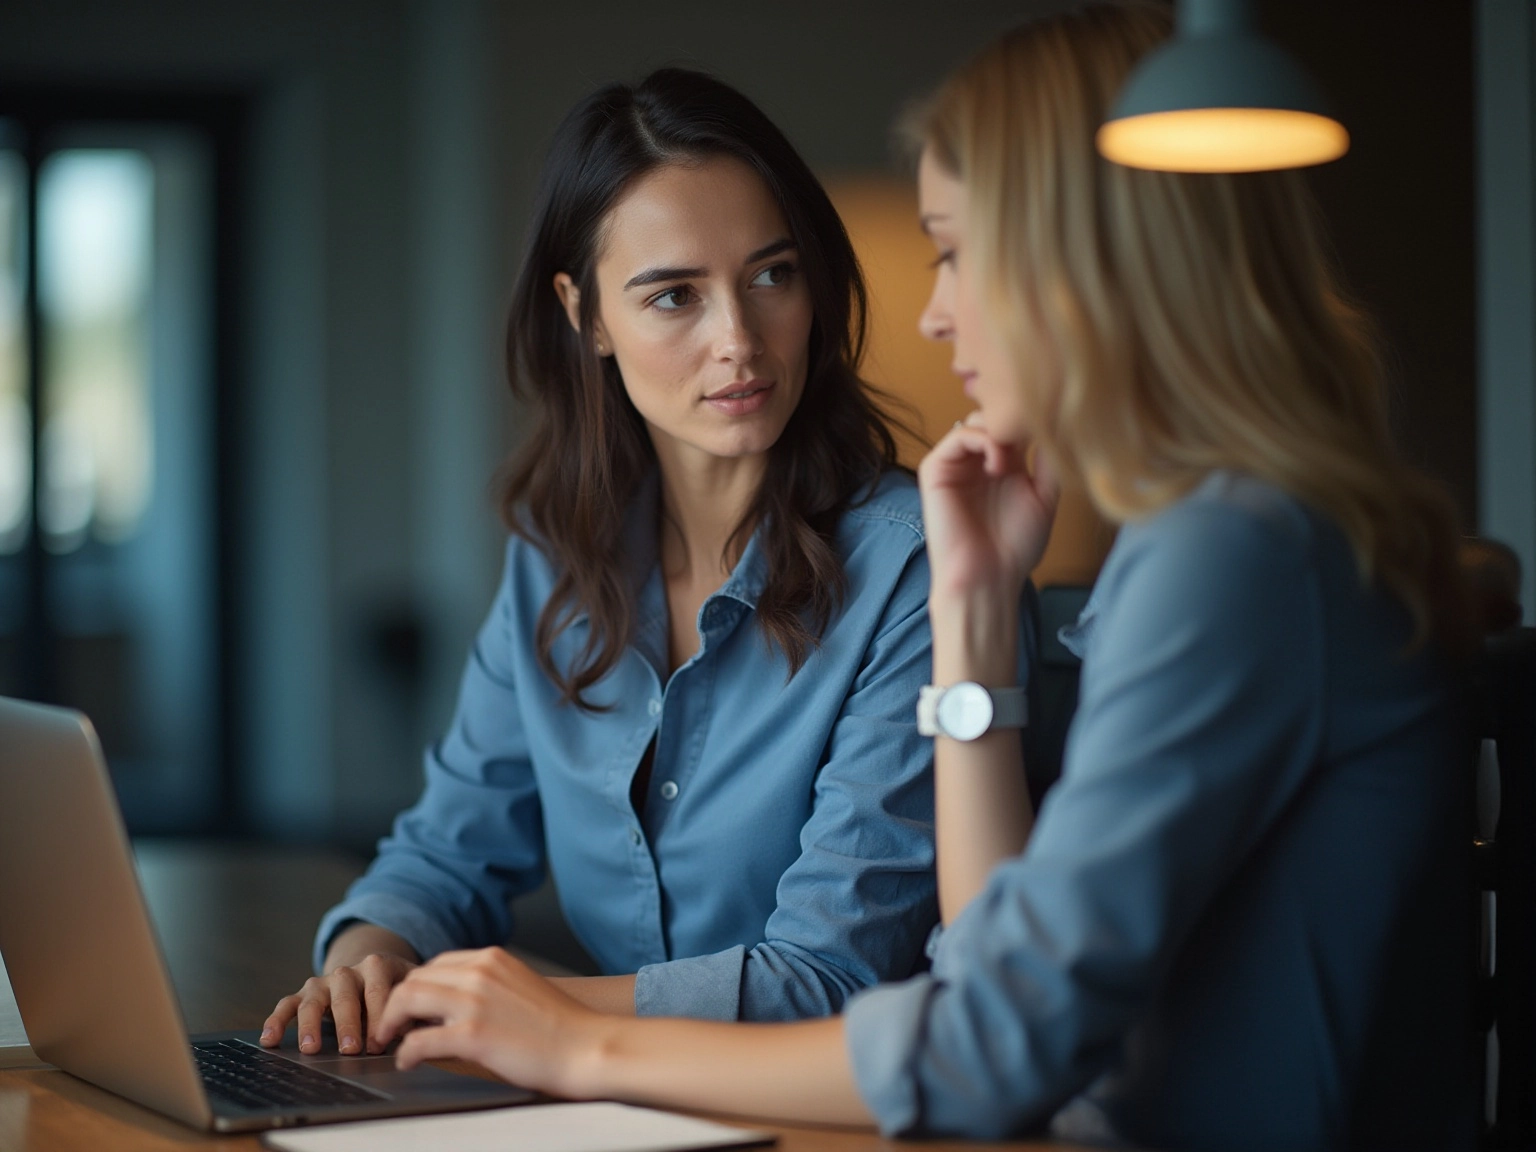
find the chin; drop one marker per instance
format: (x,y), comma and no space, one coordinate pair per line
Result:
(1004,427)
(734,443)
(751,439)
(744,448)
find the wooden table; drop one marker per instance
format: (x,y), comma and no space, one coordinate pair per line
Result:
(236,923)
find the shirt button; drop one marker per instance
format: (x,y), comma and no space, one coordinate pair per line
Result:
(634,836)
(654,707)
(669,790)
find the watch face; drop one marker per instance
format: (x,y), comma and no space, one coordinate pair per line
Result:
(965,711)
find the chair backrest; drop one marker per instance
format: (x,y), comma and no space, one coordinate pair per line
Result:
(1053,691)
(1503,717)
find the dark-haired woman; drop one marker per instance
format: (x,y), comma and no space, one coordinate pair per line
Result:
(693,696)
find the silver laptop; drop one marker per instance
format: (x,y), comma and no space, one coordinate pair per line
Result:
(91,982)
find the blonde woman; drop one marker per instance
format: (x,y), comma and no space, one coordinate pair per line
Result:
(1236,922)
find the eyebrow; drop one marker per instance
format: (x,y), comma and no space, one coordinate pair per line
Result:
(658,275)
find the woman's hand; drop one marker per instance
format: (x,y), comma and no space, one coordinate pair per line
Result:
(491,1008)
(363,964)
(987,513)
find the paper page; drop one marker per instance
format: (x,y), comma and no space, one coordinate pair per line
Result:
(600,1127)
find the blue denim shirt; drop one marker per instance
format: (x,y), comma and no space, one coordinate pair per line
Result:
(784,858)
(1238,923)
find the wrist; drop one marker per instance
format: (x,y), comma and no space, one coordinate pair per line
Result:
(592,1051)
(360,940)
(975,637)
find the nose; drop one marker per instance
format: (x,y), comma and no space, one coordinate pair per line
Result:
(937,319)
(737,339)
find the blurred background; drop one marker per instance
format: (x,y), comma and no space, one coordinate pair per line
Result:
(254,257)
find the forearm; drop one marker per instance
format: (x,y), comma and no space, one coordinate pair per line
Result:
(614,995)
(982,810)
(791,1072)
(361,939)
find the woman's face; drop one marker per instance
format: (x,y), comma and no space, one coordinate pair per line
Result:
(955,312)
(702,305)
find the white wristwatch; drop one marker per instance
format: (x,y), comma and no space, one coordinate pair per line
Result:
(965,710)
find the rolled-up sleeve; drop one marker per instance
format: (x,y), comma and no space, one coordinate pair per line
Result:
(1196,726)
(444,876)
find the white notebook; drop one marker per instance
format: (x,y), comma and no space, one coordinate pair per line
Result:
(600,1127)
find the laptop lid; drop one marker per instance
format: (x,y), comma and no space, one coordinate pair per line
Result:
(84,963)
(86,967)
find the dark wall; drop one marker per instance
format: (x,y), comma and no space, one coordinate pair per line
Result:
(1401,204)
(394,144)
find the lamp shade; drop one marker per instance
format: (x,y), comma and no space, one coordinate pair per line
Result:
(1220,98)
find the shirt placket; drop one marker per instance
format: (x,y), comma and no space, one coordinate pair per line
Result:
(649,928)
(684,715)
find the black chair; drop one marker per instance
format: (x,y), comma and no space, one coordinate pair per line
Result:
(1053,690)
(1502,711)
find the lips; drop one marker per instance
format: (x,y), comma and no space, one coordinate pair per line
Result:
(740,391)
(741,399)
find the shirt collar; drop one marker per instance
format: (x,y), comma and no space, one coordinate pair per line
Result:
(750,576)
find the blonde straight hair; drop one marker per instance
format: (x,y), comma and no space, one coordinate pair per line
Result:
(1166,325)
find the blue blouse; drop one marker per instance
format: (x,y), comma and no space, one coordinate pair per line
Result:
(784,855)
(1240,921)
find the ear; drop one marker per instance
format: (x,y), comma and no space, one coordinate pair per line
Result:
(570,300)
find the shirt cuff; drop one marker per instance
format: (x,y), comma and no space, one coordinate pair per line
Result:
(401,917)
(704,987)
(884,1028)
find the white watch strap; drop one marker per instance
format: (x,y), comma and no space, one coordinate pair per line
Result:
(928,709)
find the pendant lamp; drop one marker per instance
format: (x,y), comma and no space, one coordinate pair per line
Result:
(1218,97)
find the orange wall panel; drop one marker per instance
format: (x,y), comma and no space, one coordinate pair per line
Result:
(880,213)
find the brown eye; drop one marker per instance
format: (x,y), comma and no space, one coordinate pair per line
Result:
(773,275)
(673,299)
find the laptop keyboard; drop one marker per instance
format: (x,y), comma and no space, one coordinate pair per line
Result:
(248,1077)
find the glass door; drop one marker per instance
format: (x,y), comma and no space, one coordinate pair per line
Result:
(108,533)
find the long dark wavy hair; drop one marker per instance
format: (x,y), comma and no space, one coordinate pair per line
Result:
(569,487)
